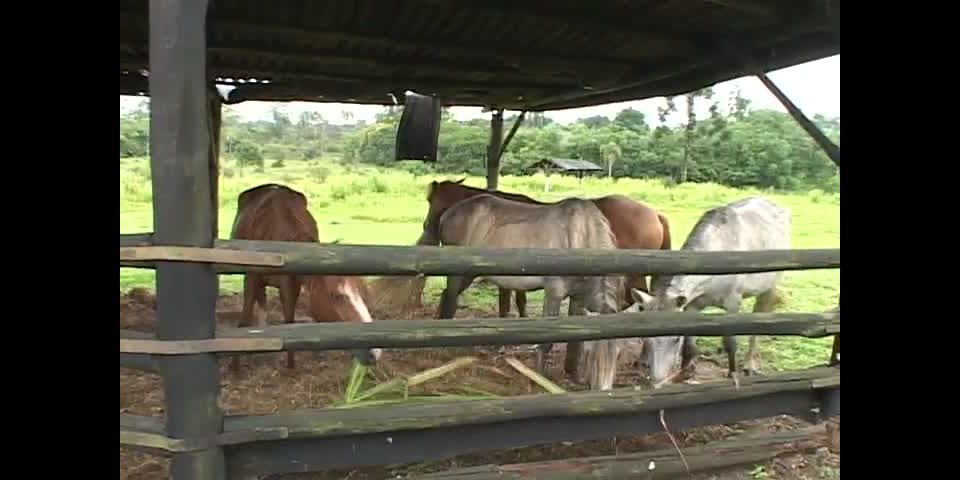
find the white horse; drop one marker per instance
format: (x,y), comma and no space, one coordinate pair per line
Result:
(750,224)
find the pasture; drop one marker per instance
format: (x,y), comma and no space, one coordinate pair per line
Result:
(363,205)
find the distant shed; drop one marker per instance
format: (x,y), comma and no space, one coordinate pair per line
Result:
(565,165)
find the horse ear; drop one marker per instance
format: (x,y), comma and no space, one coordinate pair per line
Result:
(641,297)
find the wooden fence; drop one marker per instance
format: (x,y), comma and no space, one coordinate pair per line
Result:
(323,439)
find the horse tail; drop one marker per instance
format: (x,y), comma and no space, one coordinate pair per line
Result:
(665,224)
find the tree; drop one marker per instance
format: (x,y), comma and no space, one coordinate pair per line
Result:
(689,127)
(631,119)
(740,147)
(611,153)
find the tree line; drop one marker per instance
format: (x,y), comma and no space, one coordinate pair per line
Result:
(736,146)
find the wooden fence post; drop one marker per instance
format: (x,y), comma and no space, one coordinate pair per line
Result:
(494,149)
(180,154)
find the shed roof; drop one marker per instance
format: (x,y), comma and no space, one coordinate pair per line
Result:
(516,54)
(568,164)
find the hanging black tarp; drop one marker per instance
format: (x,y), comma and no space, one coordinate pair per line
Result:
(419,130)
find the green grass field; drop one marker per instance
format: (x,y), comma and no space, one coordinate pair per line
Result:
(364,205)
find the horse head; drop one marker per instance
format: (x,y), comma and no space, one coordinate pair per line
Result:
(662,354)
(440,196)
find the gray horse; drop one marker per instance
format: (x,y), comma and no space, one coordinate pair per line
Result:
(489,221)
(753,223)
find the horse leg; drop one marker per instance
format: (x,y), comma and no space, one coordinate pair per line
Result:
(253,290)
(551,308)
(571,362)
(766,302)
(448,300)
(521,303)
(504,297)
(732,306)
(690,352)
(289,294)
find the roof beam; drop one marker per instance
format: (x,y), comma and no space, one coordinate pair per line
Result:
(389,83)
(132,83)
(327,59)
(321,93)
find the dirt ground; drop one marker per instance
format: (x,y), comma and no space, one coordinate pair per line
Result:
(265,385)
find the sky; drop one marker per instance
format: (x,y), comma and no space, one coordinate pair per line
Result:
(813,86)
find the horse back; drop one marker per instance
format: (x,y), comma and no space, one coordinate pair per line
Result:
(753,223)
(276,213)
(495,221)
(636,225)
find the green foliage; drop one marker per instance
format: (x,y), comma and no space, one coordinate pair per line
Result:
(248,153)
(739,148)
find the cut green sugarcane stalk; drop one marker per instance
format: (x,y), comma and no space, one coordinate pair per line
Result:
(534,376)
(357,374)
(414,380)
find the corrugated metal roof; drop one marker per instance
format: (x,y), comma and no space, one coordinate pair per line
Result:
(569,164)
(518,54)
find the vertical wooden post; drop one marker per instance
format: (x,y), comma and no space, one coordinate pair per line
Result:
(215,112)
(494,149)
(183,213)
(835,352)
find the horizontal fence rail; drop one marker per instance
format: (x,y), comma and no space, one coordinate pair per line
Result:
(468,332)
(137,361)
(374,419)
(331,422)
(376,435)
(743,449)
(302,258)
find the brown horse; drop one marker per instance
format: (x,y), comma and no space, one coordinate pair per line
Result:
(278,213)
(636,226)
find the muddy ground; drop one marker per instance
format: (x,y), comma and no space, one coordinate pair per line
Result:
(265,385)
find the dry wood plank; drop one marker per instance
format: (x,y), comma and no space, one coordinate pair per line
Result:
(153,441)
(379,419)
(156,253)
(184,347)
(664,463)
(145,432)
